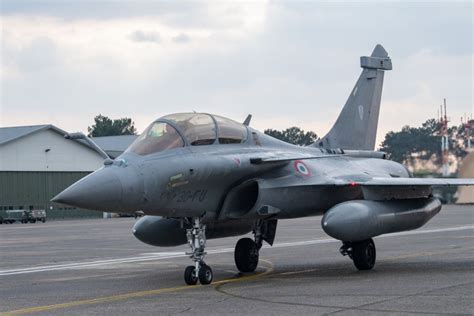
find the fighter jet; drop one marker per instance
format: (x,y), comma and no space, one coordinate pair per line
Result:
(199,176)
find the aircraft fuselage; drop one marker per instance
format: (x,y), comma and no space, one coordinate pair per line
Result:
(193,181)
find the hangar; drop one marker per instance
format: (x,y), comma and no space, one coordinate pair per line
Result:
(114,145)
(37,162)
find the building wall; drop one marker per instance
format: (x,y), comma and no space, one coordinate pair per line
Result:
(34,189)
(47,150)
(465,193)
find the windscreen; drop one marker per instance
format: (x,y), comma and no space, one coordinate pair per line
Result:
(198,129)
(157,137)
(230,132)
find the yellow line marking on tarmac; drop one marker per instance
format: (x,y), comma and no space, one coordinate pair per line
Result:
(268,270)
(121,297)
(299,272)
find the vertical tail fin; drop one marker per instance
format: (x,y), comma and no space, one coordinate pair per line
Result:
(356,126)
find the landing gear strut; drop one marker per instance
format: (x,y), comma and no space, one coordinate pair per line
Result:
(197,241)
(361,252)
(246,253)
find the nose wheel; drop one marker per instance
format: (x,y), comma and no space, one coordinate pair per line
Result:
(190,275)
(197,241)
(203,274)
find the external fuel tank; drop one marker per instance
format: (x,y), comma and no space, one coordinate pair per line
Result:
(362,219)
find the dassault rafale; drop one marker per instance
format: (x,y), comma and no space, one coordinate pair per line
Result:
(198,176)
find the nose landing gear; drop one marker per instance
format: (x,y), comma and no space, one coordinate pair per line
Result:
(197,241)
(246,253)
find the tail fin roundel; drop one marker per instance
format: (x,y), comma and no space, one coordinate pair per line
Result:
(356,126)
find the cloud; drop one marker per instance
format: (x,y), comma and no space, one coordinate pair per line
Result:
(108,10)
(286,63)
(39,55)
(145,36)
(181,38)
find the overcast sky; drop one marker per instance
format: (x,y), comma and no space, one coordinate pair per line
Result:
(288,63)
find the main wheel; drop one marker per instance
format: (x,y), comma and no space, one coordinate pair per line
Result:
(205,274)
(246,255)
(43,220)
(190,276)
(364,254)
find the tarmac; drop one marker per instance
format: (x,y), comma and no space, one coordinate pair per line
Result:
(97,267)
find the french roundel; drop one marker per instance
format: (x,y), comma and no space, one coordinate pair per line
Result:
(302,168)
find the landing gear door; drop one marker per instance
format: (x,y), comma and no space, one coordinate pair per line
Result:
(269,231)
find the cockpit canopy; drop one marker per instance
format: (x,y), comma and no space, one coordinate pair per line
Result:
(188,129)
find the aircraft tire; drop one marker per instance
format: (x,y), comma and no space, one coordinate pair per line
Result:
(190,276)
(205,274)
(364,254)
(246,255)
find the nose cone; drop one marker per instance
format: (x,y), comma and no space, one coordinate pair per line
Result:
(101,190)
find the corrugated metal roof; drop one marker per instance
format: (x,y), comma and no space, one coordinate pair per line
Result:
(114,146)
(8,134)
(114,143)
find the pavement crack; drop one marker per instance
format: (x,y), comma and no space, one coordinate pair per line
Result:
(183,311)
(219,289)
(361,307)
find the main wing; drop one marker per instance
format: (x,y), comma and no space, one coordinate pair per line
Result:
(285,157)
(372,188)
(405,188)
(418,182)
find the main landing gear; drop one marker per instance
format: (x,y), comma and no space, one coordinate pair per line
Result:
(197,241)
(247,251)
(361,252)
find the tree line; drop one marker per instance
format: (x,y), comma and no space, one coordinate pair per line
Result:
(104,126)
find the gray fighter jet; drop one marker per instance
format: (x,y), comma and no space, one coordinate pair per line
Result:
(199,176)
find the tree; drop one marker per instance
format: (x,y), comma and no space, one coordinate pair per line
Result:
(460,140)
(293,135)
(423,143)
(105,126)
